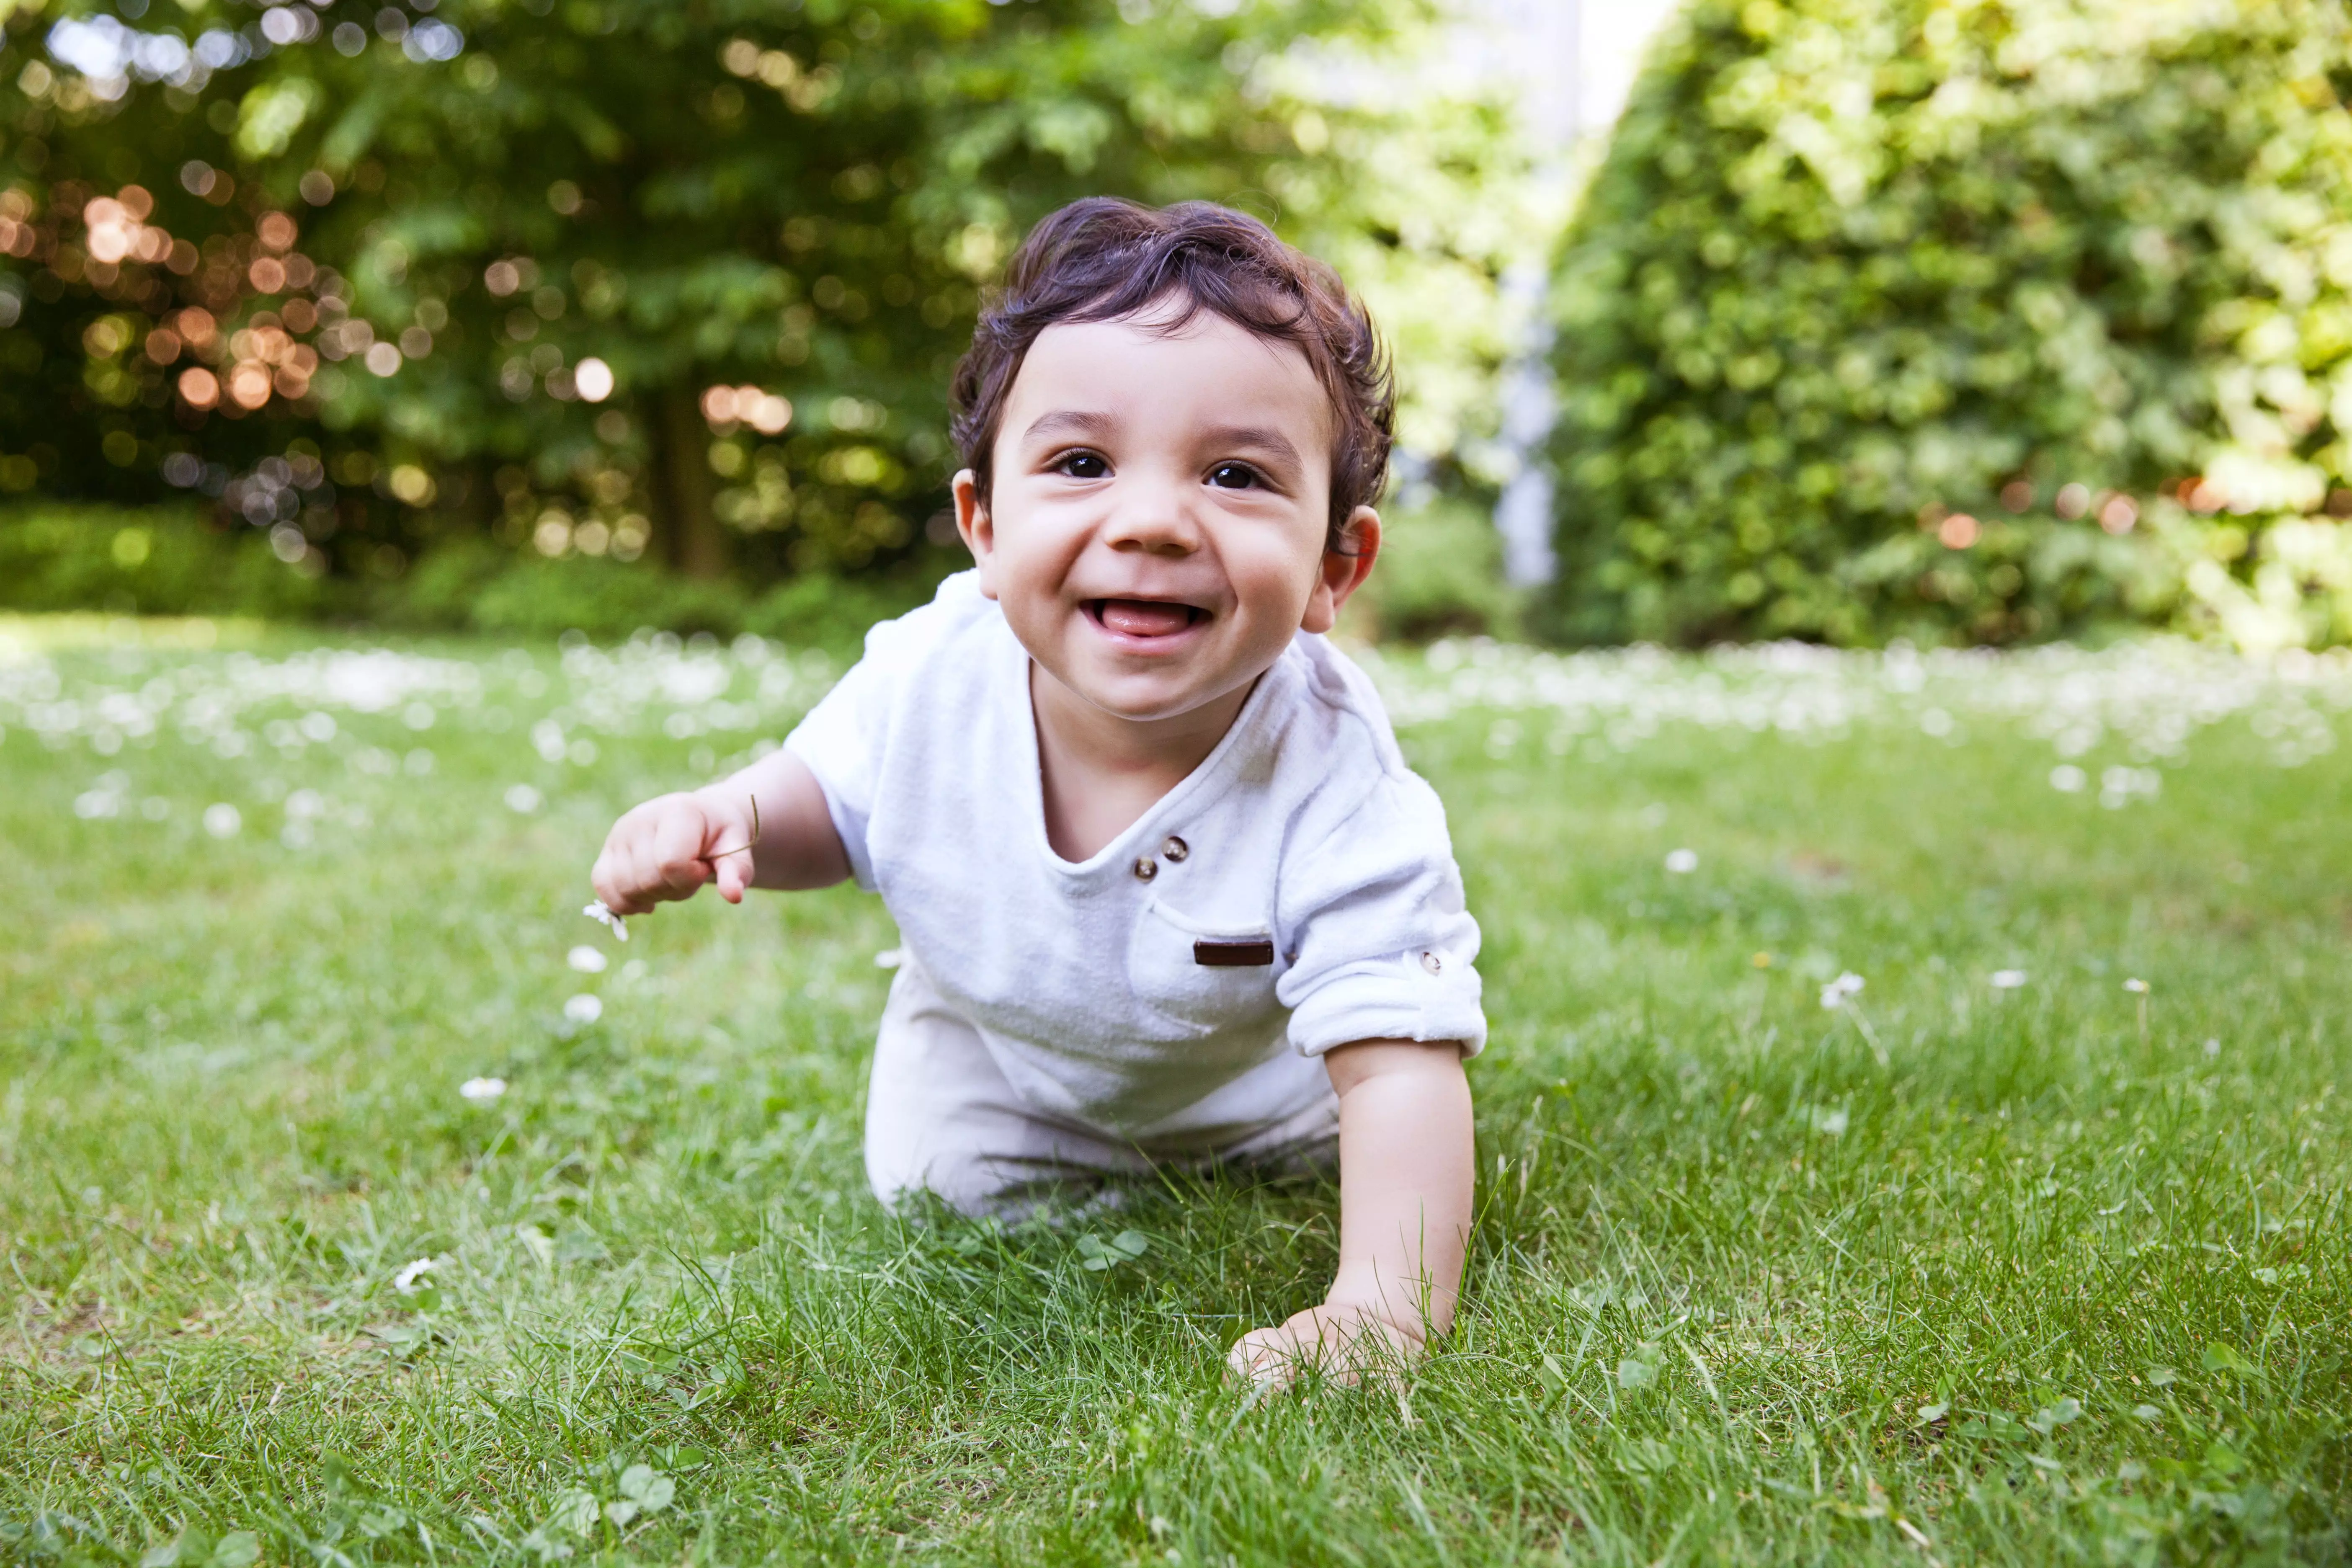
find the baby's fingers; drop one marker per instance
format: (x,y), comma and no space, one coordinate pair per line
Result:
(734,876)
(614,889)
(1267,1358)
(620,886)
(678,865)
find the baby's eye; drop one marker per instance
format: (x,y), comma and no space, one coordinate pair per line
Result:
(1232,476)
(1082,465)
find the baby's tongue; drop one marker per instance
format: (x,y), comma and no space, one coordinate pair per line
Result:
(1145,618)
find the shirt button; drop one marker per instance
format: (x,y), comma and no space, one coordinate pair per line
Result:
(1175,849)
(1432,963)
(1146,867)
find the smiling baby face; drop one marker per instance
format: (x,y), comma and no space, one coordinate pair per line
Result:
(1158,511)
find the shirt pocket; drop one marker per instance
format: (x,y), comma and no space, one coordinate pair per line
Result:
(1207,976)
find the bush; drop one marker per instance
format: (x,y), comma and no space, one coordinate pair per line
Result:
(442,588)
(824,611)
(158,561)
(1439,572)
(473,583)
(602,598)
(167,562)
(1968,322)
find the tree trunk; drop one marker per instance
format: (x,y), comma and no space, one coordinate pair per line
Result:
(690,538)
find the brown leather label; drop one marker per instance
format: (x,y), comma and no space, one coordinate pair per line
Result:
(1233,954)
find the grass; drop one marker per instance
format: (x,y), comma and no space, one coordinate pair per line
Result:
(1950,1274)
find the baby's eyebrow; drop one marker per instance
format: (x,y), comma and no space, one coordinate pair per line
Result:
(1074,421)
(1271,442)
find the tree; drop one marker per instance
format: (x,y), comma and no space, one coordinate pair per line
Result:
(1965,321)
(684,276)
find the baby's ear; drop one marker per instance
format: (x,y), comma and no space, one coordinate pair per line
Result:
(974,525)
(1342,571)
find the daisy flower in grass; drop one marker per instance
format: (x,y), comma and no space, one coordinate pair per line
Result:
(1834,994)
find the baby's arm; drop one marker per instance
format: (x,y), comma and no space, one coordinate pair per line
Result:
(669,847)
(1405,1185)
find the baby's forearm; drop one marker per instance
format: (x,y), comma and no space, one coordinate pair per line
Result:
(1406,1181)
(798,845)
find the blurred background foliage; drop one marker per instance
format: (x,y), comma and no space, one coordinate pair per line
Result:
(1965,321)
(455,309)
(1960,321)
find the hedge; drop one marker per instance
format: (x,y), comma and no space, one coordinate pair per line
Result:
(1964,323)
(164,560)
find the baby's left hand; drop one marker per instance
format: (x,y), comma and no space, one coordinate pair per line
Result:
(1404,1220)
(1345,1342)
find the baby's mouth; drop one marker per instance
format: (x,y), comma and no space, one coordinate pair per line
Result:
(1144,617)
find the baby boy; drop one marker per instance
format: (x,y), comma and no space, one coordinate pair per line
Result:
(1167,893)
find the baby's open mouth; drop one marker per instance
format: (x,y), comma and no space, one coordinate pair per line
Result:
(1144,617)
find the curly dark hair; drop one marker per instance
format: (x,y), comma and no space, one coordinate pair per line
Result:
(1103,259)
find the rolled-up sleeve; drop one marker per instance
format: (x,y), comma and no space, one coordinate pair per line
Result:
(835,741)
(1382,945)
(843,738)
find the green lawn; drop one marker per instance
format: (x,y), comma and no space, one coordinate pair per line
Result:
(1958,1272)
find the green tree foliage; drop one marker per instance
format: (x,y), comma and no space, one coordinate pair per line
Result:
(630,276)
(1966,321)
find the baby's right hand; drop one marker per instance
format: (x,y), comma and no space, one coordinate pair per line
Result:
(668,847)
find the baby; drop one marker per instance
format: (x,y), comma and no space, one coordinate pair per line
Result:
(1167,890)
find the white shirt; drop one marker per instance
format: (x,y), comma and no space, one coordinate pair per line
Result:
(1296,892)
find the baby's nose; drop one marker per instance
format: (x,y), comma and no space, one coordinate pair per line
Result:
(1154,518)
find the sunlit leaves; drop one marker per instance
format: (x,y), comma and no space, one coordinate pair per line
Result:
(272,113)
(805,200)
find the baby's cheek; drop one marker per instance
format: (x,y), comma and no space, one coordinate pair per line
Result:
(1277,595)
